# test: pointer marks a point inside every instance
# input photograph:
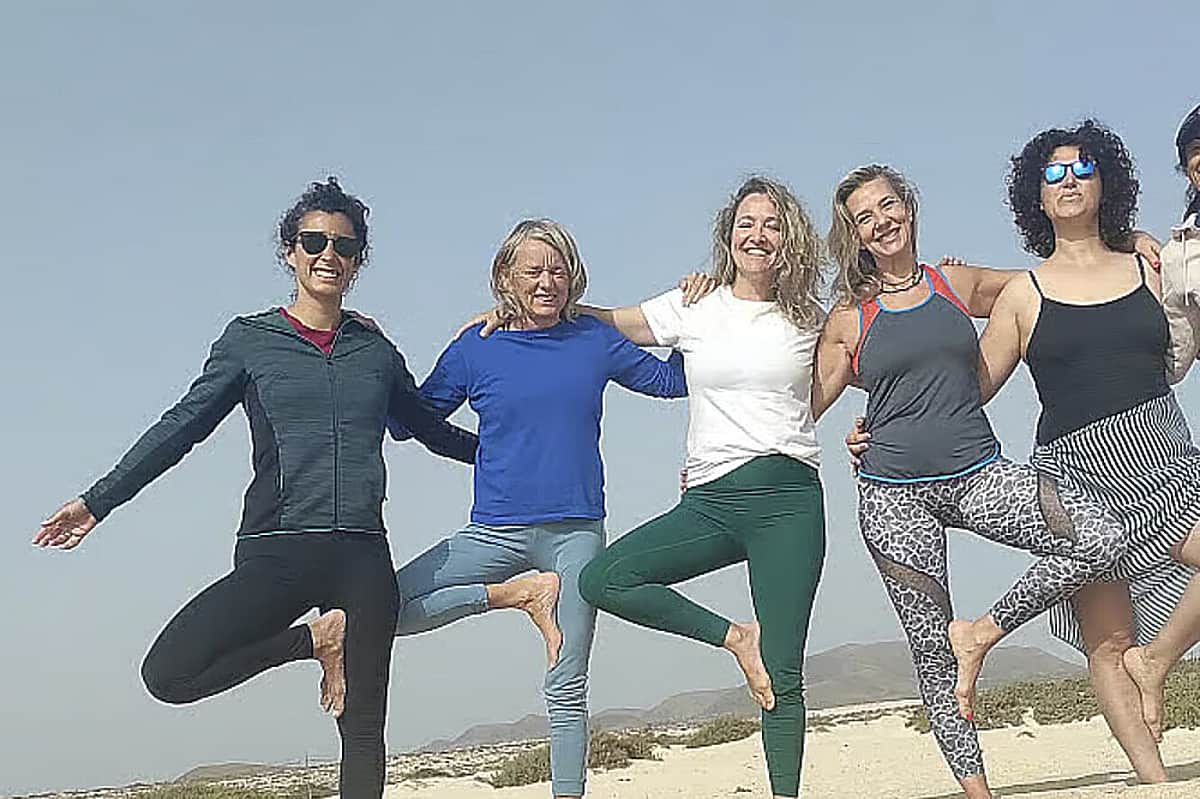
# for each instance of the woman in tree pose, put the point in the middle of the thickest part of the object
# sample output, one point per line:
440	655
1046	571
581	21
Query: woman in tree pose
317	384
537	385
902	331
754	493
1089	325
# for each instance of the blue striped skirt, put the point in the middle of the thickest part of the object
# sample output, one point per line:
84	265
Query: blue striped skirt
1141	465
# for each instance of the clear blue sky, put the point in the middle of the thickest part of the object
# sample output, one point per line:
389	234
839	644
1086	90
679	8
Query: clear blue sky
149	149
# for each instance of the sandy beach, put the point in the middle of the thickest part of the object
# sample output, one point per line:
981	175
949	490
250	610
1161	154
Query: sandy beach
880	758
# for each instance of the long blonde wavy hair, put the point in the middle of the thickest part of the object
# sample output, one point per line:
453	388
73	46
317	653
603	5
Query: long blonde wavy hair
798	271
857	278
553	234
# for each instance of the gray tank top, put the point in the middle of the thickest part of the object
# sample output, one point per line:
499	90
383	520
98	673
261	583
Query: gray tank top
920	369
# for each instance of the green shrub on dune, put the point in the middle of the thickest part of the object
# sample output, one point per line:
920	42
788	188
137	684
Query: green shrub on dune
606	750
1182	706
617	749
524	769
722	730
1064	701
216	790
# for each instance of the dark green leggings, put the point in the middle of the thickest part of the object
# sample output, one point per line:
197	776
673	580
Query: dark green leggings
768	512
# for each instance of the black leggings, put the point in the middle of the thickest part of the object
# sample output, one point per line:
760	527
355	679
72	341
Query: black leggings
243	624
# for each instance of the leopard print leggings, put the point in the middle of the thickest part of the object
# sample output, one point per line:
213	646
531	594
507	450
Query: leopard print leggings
904	527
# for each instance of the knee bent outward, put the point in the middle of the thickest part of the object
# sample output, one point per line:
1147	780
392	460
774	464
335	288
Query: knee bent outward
1109	653
164	686
593	581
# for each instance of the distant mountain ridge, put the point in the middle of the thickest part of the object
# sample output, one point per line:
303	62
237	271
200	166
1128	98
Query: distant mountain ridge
850	674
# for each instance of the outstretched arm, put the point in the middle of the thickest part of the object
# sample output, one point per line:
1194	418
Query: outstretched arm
638	370
833	365
629	321
977	286
209	399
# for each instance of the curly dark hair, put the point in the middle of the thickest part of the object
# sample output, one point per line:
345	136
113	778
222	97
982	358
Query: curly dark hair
1119	185
330	198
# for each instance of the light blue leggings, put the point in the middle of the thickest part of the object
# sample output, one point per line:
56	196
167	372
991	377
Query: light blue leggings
446	583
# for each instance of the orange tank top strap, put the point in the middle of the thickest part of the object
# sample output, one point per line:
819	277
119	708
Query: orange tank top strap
867	312
940	285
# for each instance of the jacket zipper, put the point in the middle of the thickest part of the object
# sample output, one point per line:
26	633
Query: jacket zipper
333	409
337	478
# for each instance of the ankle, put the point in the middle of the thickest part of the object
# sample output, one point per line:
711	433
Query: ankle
503	595
987	631
735	636
322	630
976	787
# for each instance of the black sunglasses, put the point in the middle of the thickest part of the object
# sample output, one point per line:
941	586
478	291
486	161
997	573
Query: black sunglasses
314	242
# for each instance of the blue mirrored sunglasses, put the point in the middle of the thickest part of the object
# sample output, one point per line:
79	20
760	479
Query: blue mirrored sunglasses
1056	172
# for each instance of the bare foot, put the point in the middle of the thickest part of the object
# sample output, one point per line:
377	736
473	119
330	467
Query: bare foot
743	641
329	639
969	650
539	598
1149	677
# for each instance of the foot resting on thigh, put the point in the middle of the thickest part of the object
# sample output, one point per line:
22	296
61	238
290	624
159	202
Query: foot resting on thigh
970	642
329	648
537	595
1149	675
743	641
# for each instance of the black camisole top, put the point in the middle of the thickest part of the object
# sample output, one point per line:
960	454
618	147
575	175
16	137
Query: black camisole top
1095	360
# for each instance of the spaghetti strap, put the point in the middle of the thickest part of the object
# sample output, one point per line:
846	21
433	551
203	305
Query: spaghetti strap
1036	285
1141	266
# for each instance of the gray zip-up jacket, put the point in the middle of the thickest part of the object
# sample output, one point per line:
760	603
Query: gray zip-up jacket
316	422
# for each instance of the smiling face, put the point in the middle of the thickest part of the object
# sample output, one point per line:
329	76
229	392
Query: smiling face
541	282
1071	198
756	236
326	275
882	219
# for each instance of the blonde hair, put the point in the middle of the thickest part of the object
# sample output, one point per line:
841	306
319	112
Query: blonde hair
798	262
857	278
553	235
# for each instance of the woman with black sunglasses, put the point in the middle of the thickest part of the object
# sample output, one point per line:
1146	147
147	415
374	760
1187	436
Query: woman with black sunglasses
1089	325
317	384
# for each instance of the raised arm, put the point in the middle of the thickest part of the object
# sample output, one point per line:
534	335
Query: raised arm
977	286
422	413
1000	344
629	321
209	399
638	370
833	366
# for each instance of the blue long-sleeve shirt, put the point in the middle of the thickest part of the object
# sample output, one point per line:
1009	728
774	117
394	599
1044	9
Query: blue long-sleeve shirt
539	398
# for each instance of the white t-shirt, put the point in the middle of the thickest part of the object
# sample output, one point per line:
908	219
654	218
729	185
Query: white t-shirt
749	374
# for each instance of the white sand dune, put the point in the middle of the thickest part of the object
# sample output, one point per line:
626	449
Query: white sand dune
880	758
